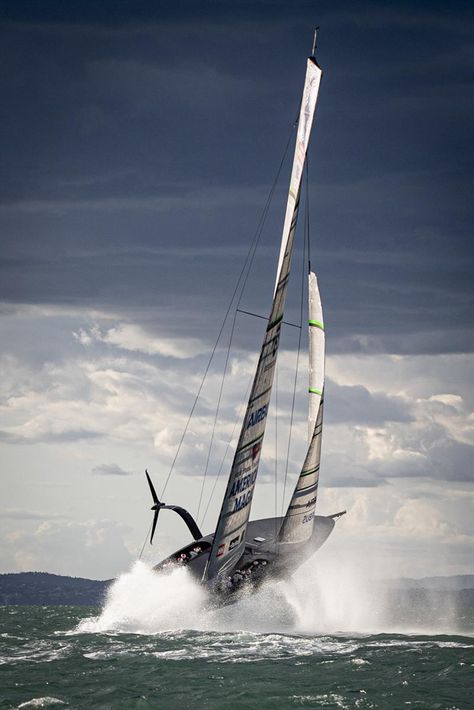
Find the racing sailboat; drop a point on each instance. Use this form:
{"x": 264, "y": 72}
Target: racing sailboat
{"x": 239, "y": 552}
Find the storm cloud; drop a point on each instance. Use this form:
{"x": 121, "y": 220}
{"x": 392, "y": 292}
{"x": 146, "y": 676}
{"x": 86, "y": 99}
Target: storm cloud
{"x": 139, "y": 144}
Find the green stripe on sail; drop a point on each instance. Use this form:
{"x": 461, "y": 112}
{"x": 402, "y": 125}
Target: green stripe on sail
{"x": 249, "y": 443}
{"x": 307, "y": 473}
{"x": 316, "y": 324}
{"x": 275, "y": 322}
{"x": 313, "y": 390}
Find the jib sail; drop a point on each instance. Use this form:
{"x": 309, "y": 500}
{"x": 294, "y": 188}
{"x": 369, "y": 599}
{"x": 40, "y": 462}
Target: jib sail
{"x": 297, "y": 525}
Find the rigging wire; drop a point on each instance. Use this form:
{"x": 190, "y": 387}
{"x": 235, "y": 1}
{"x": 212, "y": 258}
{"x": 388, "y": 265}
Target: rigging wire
{"x": 256, "y": 315}
{"x": 247, "y": 264}
{"x": 306, "y": 246}
{"x": 303, "y": 273}
{"x": 221, "y": 388}
{"x": 250, "y": 263}
{"x": 237, "y": 420}
{"x": 144, "y": 543}
{"x": 241, "y": 283}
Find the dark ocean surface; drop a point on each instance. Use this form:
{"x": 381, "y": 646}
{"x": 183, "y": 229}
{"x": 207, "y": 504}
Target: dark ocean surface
{"x": 159, "y": 643}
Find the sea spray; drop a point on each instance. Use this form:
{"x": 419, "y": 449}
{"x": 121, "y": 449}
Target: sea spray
{"x": 146, "y": 602}
{"x": 142, "y": 601}
{"x": 333, "y": 594}
{"x": 333, "y": 598}
{"x": 324, "y": 597}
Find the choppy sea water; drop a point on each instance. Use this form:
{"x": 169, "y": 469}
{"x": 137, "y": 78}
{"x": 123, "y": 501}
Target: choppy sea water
{"x": 159, "y": 643}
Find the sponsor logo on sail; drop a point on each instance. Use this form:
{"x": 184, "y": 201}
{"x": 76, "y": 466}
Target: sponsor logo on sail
{"x": 257, "y": 416}
{"x": 242, "y": 501}
{"x": 220, "y": 550}
{"x": 256, "y": 450}
{"x": 241, "y": 484}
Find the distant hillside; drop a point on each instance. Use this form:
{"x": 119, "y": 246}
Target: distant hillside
{"x": 439, "y": 584}
{"x": 41, "y": 588}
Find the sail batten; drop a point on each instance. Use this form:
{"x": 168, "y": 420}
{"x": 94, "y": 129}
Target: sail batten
{"x": 229, "y": 539}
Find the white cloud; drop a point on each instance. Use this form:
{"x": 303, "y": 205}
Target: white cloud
{"x": 171, "y": 199}
{"x": 132, "y": 337}
{"x": 21, "y": 514}
{"x": 394, "y": 439}
{"x": 110, "y": 469}
{"x": 90, "y": 548}
{"x": 420, "y": 519}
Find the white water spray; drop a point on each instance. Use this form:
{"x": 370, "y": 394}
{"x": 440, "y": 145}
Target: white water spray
{"x": 323, "y": 597}
{"x": 142, "y": 601}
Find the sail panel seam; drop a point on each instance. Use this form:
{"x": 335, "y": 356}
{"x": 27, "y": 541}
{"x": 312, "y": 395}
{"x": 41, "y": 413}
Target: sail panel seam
{"x": 313, "y": 470}
{"x": 274, "y": 323}
{"x": 245, "y": 446}
{"x": 304, "y": 491}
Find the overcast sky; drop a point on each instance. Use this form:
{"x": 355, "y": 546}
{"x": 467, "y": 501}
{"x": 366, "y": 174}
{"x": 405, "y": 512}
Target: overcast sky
{"x": 139, "y": 142}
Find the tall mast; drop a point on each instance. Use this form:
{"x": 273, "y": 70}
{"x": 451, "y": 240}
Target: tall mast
{"x": 229, "y": 539}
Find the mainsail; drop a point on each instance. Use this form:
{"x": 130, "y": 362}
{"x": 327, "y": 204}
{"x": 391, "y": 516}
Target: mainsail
{"x": 297, "y": 525}
{"x": 229, "y": 539}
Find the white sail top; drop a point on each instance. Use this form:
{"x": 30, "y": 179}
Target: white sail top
{"x": 316, "y": 351}
{"x": 229, "y": 539}
{"x": 305, "y": 122}
{"x": 297, "y": 525}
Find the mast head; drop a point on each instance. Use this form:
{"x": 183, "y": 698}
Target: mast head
{"x": 315, "y": 38}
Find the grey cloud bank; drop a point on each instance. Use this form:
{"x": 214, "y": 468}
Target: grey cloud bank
{"x": 130, "y": 129}
{"x": 139, "y": 143}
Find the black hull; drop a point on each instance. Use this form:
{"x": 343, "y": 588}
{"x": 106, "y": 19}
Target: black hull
{"x": 264, "y": 557}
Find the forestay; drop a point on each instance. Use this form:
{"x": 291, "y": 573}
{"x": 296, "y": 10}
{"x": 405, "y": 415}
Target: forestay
{"x": 229, "y": 539}
{"x": 297, "y": 525}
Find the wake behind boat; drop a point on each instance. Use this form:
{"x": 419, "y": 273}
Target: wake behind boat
{"x": 240, "y": 553}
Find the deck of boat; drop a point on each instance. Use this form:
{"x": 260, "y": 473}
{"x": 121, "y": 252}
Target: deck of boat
{"x": 260, "y": 544}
